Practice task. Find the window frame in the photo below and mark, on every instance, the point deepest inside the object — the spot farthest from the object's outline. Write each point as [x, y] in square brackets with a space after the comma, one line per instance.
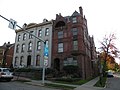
[39, 33]
[60, 47]
[38, 60]
[30, 36]
[46, 31]
[38, 45]
[21, 60]
[74, 19]
[24, 36]
[19, 37]
[75, 44]
[17, 48]
[30, 46]
[74, 31]
[23, 47]
[16, 61]
[60, 34]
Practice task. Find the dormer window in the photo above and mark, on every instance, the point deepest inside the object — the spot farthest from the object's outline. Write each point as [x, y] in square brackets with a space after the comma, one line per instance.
[74, 20]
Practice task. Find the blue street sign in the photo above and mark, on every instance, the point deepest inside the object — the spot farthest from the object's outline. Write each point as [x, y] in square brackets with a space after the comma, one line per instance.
[46, 50]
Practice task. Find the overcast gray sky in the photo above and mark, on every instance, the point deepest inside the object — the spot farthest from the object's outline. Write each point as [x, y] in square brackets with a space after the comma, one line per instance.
[103, 16]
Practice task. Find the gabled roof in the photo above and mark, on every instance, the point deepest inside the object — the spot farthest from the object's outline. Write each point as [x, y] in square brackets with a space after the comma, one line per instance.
[75, 13]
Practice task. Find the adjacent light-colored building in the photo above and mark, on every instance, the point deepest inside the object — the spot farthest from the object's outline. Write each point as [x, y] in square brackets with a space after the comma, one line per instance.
[29, 51]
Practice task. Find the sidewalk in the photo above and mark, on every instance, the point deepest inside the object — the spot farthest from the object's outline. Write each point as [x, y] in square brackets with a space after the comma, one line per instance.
[87, 86]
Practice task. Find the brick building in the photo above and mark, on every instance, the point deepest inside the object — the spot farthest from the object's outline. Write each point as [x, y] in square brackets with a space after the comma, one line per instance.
[69, 43]
[72, 43]
[6, 55]
[94, 58]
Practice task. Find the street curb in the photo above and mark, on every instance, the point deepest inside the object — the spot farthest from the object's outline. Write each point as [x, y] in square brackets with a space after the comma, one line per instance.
[106, 83]
[35, 84]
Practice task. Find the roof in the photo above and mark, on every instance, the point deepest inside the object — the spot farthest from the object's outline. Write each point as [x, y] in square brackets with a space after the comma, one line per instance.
[75, 13]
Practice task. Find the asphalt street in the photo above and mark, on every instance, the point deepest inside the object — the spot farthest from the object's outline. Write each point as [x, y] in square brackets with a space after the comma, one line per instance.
[113, 83]
[21, 86]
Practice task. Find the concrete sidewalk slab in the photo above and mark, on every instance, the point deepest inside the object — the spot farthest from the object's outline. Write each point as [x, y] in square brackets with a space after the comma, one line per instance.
[89, 85]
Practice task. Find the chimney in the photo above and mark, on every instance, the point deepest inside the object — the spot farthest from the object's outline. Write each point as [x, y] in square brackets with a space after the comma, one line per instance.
[59, 14]
[81, 10]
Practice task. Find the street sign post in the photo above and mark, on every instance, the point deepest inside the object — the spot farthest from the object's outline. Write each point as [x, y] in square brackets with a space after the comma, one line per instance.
[12, 24]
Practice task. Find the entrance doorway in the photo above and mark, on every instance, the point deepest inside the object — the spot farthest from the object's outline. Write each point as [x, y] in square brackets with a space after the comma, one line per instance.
[28, 60]
[57, 64]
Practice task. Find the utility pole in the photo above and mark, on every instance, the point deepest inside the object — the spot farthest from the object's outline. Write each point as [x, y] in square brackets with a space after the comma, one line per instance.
[12, 25]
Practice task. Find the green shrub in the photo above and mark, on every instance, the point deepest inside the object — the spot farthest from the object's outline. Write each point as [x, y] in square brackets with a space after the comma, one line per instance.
[27, 70]
[70, 69]
[67, 79]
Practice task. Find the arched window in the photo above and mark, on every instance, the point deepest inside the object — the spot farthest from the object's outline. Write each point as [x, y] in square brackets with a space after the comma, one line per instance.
[19, 36]
[17, 48]
[30, 46]
[38, 45]
[16, 61]
[21, 61]
[30, 36]
[60, 24]
[24, 36]
[23, 48]
[39, 33]
[38, 60]
[47, 32]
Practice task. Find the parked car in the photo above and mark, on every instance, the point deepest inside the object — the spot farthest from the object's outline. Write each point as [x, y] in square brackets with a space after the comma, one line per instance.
[110, 74]
[6, 74]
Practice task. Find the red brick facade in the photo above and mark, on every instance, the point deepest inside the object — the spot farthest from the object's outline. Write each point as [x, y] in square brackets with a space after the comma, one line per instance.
[82, 51]
[6, 56]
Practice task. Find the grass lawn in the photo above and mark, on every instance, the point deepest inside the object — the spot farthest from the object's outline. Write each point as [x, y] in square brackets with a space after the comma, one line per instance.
[76, 82]
[63, 87]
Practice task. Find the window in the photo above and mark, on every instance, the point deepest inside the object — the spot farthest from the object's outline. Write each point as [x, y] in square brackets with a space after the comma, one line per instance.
[74, 31]
[16, 61]
[39, 33]
[17, 48]
[21, 61]
[24, 36]
[46, 42]
[30, 36]
[70, 61]
[60, 34]
[75, 45]
[60, 47]
[30, 46]
[47, 32]
[38, 45]
[38, 60]
[23, 48]
[19, 36]
[74, 20]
